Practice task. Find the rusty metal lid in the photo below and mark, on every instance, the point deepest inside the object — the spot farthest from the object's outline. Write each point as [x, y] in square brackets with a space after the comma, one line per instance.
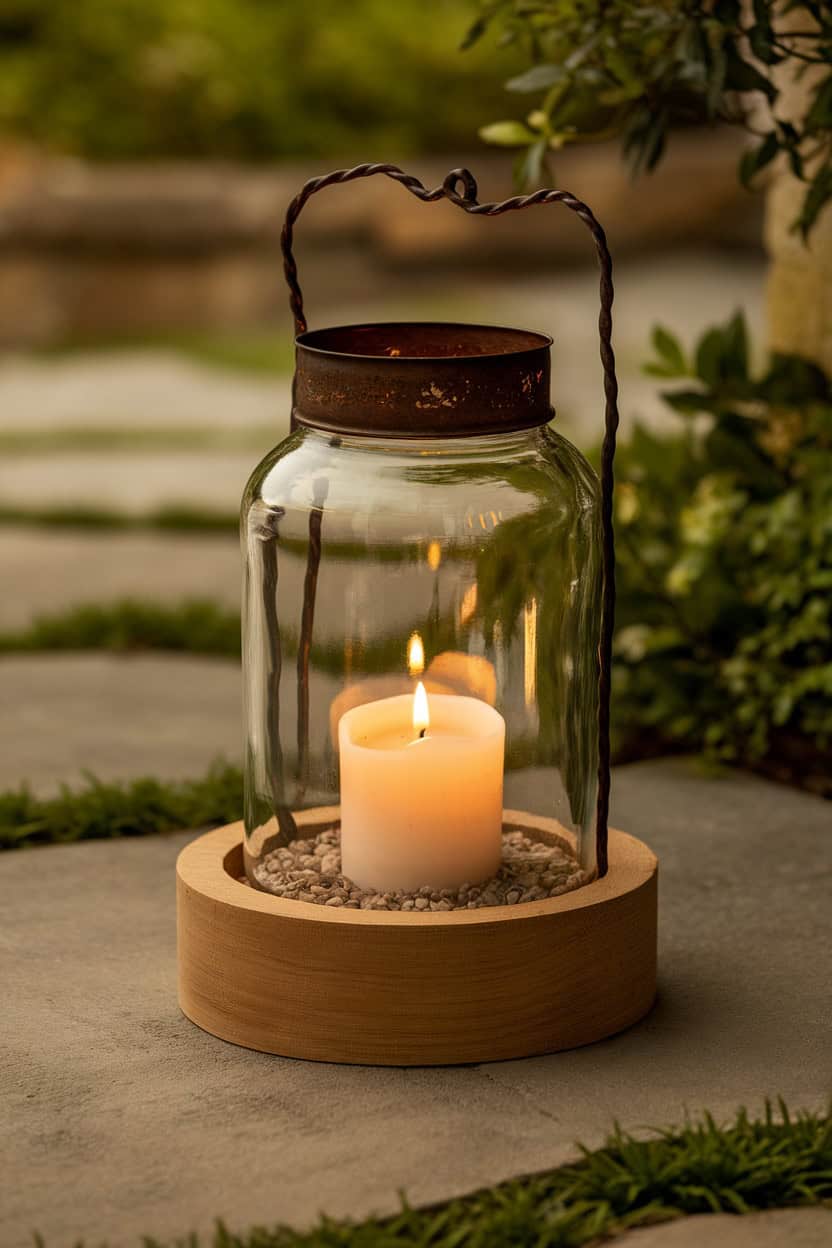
[420, 379]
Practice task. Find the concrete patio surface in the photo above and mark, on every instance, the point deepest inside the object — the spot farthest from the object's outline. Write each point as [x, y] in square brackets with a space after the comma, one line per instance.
[118, 717]
[147, 388]
[123, 1119]
[776, 1228]
[54, 570]
[133, 481]
[156, 390]
[157, 387]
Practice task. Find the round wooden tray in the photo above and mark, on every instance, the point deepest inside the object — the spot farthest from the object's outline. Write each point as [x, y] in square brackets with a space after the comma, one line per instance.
[407, 988]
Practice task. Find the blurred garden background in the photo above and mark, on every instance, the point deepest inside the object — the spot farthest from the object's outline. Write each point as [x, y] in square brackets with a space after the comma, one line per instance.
[148, 149]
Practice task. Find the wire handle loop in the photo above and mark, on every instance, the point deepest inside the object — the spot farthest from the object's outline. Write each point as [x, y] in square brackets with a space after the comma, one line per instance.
[460, 188]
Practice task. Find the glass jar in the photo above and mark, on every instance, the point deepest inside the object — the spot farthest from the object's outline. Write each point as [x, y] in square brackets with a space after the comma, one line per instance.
[422, 525]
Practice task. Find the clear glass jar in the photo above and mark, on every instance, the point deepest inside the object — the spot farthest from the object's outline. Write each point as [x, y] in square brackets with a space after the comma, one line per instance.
[468, 561]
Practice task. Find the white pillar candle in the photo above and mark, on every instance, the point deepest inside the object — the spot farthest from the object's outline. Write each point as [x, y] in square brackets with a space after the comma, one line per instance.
[421, 807]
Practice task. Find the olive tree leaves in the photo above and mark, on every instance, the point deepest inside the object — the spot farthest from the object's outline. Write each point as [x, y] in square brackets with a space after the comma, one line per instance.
[637, 68]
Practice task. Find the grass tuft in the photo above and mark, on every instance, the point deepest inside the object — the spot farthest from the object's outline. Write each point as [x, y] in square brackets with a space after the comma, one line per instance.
[174, 518]
[106, 811]
[93, 439]
[268, 352]
[196, 626]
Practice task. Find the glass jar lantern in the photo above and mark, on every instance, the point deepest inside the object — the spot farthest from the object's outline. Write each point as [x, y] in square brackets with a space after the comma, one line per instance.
[428, 615]
[427, 608]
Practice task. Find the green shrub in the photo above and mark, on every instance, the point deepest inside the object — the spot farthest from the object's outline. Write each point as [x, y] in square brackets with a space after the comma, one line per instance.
[724, 639]
[240, 78]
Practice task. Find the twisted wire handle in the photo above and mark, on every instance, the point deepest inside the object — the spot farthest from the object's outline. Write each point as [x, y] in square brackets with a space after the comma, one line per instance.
[466, 199]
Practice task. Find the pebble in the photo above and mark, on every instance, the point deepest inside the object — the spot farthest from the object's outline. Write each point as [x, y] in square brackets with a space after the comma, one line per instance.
[310, 870]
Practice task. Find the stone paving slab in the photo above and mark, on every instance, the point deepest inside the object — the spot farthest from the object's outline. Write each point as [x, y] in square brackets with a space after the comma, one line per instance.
[776, 1228]
[119, 717]
[55, 570]
[155, 390]
[52, 570]
[129, 481]
[684, 292]
[144, 389]
[121, 1118]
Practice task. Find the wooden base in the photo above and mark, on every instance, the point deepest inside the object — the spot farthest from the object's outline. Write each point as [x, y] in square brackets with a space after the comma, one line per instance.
[408, 988]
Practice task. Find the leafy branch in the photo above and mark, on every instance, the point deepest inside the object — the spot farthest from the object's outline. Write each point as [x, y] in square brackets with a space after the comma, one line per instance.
[638, 68]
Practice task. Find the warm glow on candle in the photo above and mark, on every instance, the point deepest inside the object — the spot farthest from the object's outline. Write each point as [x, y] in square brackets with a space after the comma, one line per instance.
[421, 714]
[415, 655]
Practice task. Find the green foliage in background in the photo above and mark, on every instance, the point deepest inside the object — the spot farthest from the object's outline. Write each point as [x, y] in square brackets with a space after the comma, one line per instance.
[637, 69]
[113, 79]
[724, 535]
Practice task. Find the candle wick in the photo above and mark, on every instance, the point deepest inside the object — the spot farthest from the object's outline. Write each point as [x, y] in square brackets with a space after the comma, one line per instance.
[422, 733]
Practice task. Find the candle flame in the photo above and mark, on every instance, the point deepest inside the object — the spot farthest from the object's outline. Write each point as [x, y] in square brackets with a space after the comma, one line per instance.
[421, 714]
[415, 655]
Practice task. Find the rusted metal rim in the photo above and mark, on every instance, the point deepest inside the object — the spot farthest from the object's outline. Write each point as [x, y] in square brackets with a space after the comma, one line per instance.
[417, 379]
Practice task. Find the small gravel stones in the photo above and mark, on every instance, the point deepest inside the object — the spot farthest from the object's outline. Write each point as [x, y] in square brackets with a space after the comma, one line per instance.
[310, 870]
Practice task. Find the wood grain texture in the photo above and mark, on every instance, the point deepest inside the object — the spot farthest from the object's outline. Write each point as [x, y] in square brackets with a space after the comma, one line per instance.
[403, 988]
